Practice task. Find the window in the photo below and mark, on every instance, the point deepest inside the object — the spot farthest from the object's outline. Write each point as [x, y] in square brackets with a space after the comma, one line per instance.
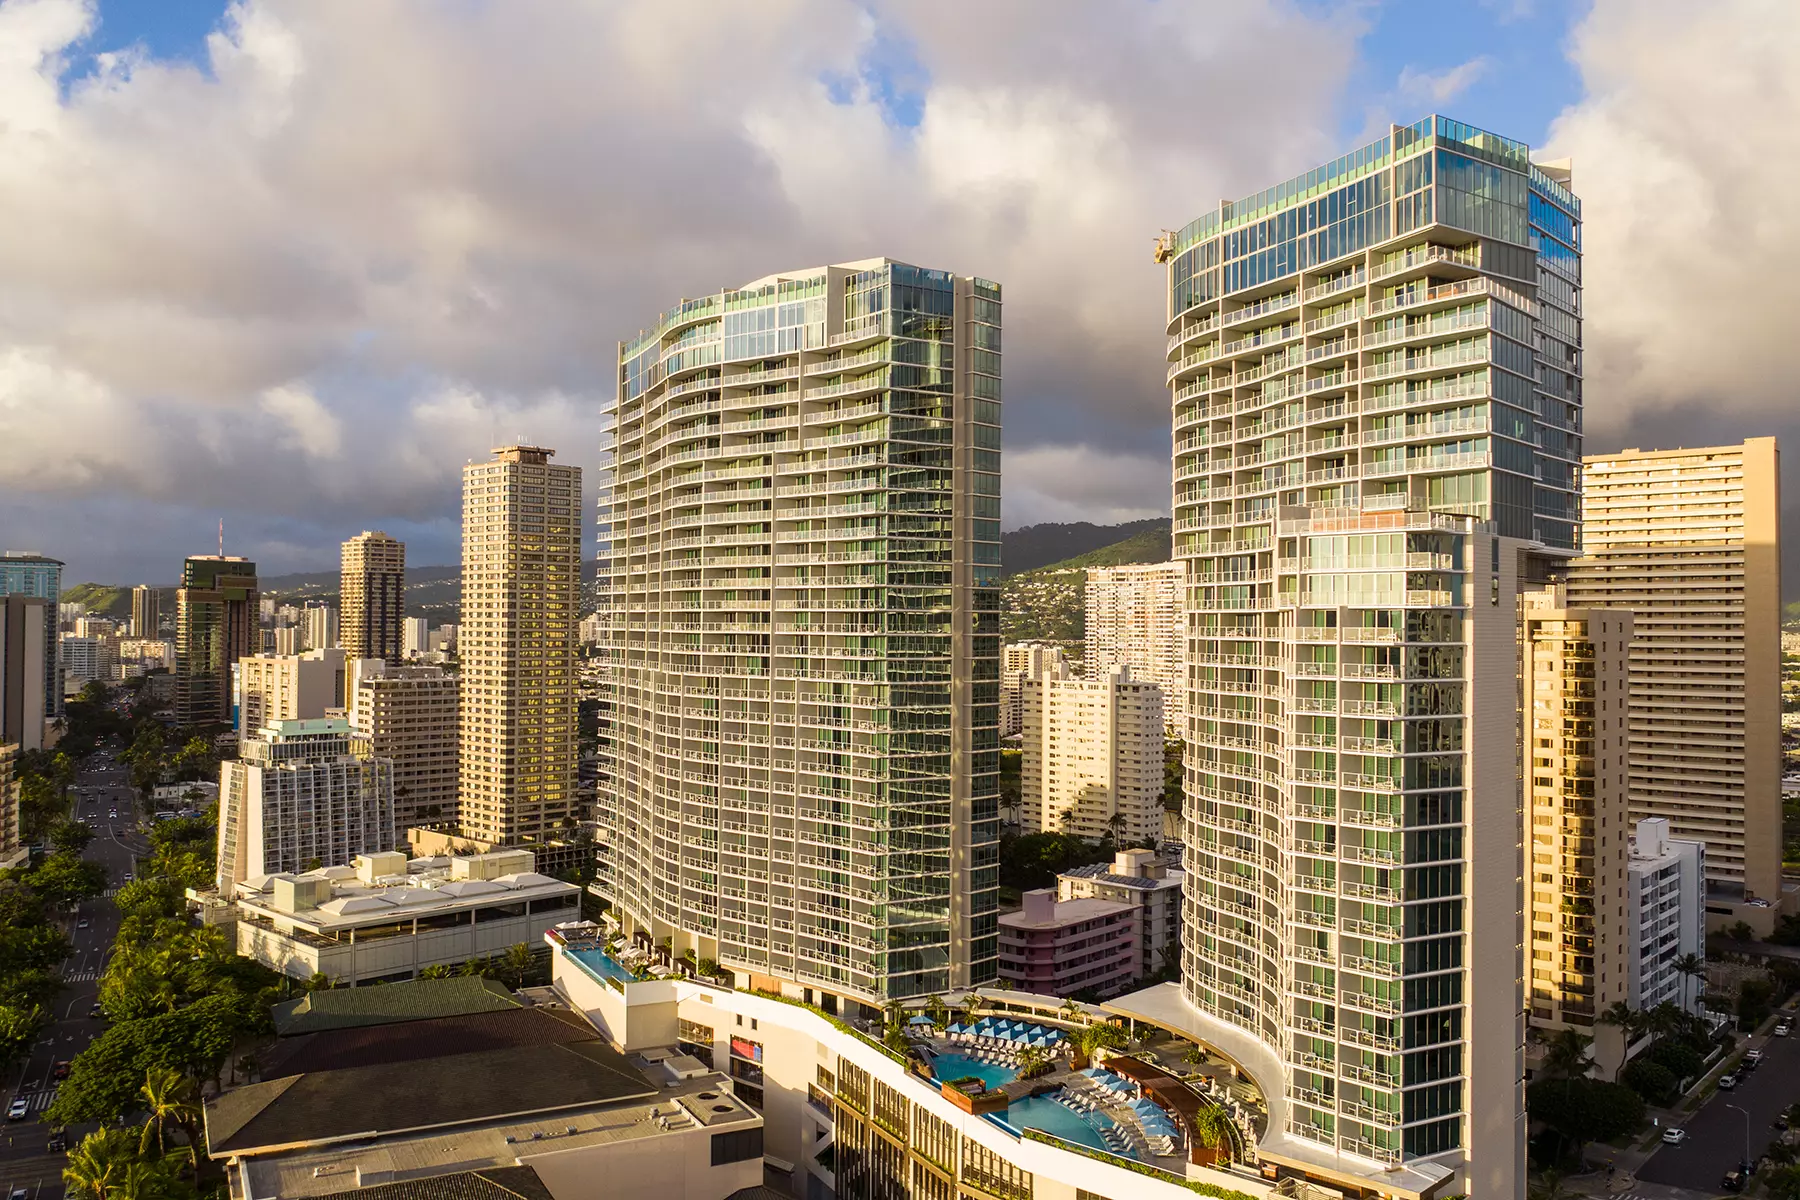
[739, 1145]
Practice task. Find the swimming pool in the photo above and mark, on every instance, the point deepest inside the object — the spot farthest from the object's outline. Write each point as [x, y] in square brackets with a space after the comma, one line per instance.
[600, 963]
[960, 1066]
[1043, 1113]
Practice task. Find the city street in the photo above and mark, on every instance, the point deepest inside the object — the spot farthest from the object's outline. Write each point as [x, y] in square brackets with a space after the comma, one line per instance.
[25, 1162]
[1716, 1132]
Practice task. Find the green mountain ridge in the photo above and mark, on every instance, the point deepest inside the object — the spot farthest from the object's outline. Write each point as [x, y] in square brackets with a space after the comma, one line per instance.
[1048, 603]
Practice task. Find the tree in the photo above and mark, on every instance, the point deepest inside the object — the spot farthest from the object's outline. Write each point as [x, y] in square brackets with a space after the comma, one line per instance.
[437, 971]
[518, 960]
[1692, 969]
[106, 1080]
[1753, 1003]
[1651, 1080]
[98, 1163]
[1090, 1038]
[1582, 1110]
[1213, 1128]
[169, 1098]
[1624, 1018]
[1033, 1061]
[1566, 1054]
[70, 837]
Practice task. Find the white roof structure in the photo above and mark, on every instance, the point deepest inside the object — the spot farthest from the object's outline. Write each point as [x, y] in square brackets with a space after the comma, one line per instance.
[359, 898]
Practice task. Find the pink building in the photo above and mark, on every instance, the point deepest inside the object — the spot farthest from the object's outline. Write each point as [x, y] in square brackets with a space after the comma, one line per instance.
[1058, 948]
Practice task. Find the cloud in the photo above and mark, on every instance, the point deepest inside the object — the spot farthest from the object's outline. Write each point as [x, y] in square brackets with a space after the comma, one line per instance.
[1080, 483]
[1440, 87]
[305, 280]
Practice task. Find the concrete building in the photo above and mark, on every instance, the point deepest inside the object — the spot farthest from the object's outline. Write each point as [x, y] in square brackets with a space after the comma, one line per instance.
[1134, 619]
[25, 707]
[1689, 540]
[408, 716]
[1144, 881]
[1092, 761]
[521, 581]
[386, 917]
[13, 851]
[372, 594]
[415, 636]
[287, 687]
[28, 573]
[287, 640]
[217, 622]
[1665, 918]
[593, 629]
[84, 660]
[1375, 382]
[146, 613]
[1054, 947]
[150, 654]
[802, 536]
[297, 796]
[1576, 682]
[320, 627]
[1021, 661]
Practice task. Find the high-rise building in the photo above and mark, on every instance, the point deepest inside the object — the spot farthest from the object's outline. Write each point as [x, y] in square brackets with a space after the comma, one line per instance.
[1021, 661]
[521, 580]
[13, 851]
[216, 623]
[1134, 620]
[24, 704]
[28, 573]
[408, 716]
[415, 636]
[1690, 541]
[1575, 676]
[286, 640]
[320, 627]
[287, 687]
[1092, 762]
[1376, 414]
[146, 613]
[802, 542]
[372, 595]
[297, 799]
[1666, 895]
[83, 660]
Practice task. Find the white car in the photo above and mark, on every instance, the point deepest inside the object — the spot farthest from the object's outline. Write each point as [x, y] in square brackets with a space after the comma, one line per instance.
[1674, 1137]
[1782, 1028]
[18, 1111]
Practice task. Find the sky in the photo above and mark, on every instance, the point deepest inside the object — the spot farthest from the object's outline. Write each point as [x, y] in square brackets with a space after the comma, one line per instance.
[291, 263]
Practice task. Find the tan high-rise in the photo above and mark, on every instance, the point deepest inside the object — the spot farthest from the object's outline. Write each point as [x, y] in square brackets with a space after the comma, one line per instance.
[372, 596]
[145, 612]
[521, 574]
[287, 687]
[1134, 619]
[1690, 541]
[1093, 756]
[408, 716]
[1575, 674]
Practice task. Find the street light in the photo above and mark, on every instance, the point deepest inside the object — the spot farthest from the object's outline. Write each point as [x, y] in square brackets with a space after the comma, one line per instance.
[1744, 1113]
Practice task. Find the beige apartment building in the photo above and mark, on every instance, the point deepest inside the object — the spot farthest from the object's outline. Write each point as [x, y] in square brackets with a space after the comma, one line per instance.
[12, 845]
[1690, 541]
[287, 687]
[1093, 756]
[408, 715]
[1134, 619]
[145, 612]
[1021, 661]
[521, 578]
[372, 596]
[1575, 677]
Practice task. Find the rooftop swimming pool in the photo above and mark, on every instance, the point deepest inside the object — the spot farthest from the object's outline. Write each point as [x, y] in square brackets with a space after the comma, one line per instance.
[1044, 1114]
[600, 963]
[960, 1066]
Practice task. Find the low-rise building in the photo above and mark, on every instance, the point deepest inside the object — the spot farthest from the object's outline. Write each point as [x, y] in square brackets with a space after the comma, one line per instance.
[388, 918]
[1666, 917]
[1061, 947]
[1147, 883]
[195, 794]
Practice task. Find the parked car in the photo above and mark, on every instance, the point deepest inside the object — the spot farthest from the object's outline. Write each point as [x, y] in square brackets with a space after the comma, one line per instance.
[1727, 1082]
[1753, 1059]
[1733, 1181]
[95, 1011]
[1782, 1028]
[83, 923]
[1673, 1136]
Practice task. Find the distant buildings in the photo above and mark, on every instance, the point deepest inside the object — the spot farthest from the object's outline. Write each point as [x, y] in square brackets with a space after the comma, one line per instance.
[1689, 540]
[1134, 619]
[84, 660]
[1021, 661]
[25, 706]
[217, 622]
[408, 716]
[1092, 762]
[297, 798]
[593, 629]
[287, 687]
[146, 613]
[321, 627]
[521, 579]
[28, 573]
[1666, 919]
[287, 640]
[386, 918]
[415, 636]
[1151, 886]
[372, 596]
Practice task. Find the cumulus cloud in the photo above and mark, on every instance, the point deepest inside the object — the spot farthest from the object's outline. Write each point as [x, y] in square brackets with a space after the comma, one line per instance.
[306, 280]
[1441, 87]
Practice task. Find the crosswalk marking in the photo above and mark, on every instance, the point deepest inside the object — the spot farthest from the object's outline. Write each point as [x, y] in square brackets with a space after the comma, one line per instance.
[87, 976]
[37, 1101]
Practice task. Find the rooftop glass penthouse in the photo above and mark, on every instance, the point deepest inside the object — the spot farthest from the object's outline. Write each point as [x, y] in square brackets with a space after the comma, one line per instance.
[802, 541]
[1375, 375]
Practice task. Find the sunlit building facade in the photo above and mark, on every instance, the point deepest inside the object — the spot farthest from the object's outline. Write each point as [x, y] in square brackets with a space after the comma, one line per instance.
[217, 621]
[802, 545]
[372, 595]
[27, 573]
[1375, 378]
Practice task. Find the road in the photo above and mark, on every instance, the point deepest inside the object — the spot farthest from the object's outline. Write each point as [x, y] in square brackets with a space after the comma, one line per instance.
[1716, 1132]
[25, 1162]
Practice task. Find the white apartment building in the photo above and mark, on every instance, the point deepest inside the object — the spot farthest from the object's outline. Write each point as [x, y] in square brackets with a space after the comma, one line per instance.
[408, 716]
[1134, 619]
[593, 629]
[321, 627]
[1690, 542]
[1092, 761]
[84, 660]
[415, 636]
[287, 640]
[1021, 661]
[1144, 881]
[1666, 918]
[297, 795]
[801, 545]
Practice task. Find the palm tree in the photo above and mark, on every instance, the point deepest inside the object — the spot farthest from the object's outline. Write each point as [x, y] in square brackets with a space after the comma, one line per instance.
[1032, 1061]
[169, 1097]
[1070, 1010]
[970, 1008]
[937, 1010]
[1548, 1186]
[318, 981]
[99, 1162]
[1691, 967]
[518, 960]
[437, 971]
[1566, 1054]
[1626, 1020]
[1213, 1129]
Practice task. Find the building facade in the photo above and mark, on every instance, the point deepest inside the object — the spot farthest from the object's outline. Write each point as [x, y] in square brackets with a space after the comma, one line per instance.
[1690, 541]
[298, 798]
[408, 715]
[13, 851]
[24, 704]
[1021, 661]
[146, 613]
[1092, 756]
[1376, 399]
[1147, 883]
[372, 596]
[1134, 619]
[415, 636]
[84, 660]
[27, 573]
[320, 627]
[1053, 947]
[287, 687]
[801, 549]
[521, 579]
[1666, 918]
[217, 622]
[1575, 677]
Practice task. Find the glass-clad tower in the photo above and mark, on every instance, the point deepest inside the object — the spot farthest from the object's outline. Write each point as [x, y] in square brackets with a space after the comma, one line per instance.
[801, 547]
[1375, 370]
[25, 573]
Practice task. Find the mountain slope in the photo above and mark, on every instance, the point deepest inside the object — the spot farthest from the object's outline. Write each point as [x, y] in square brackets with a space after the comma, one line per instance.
[1037, 546]
[1048, 603]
